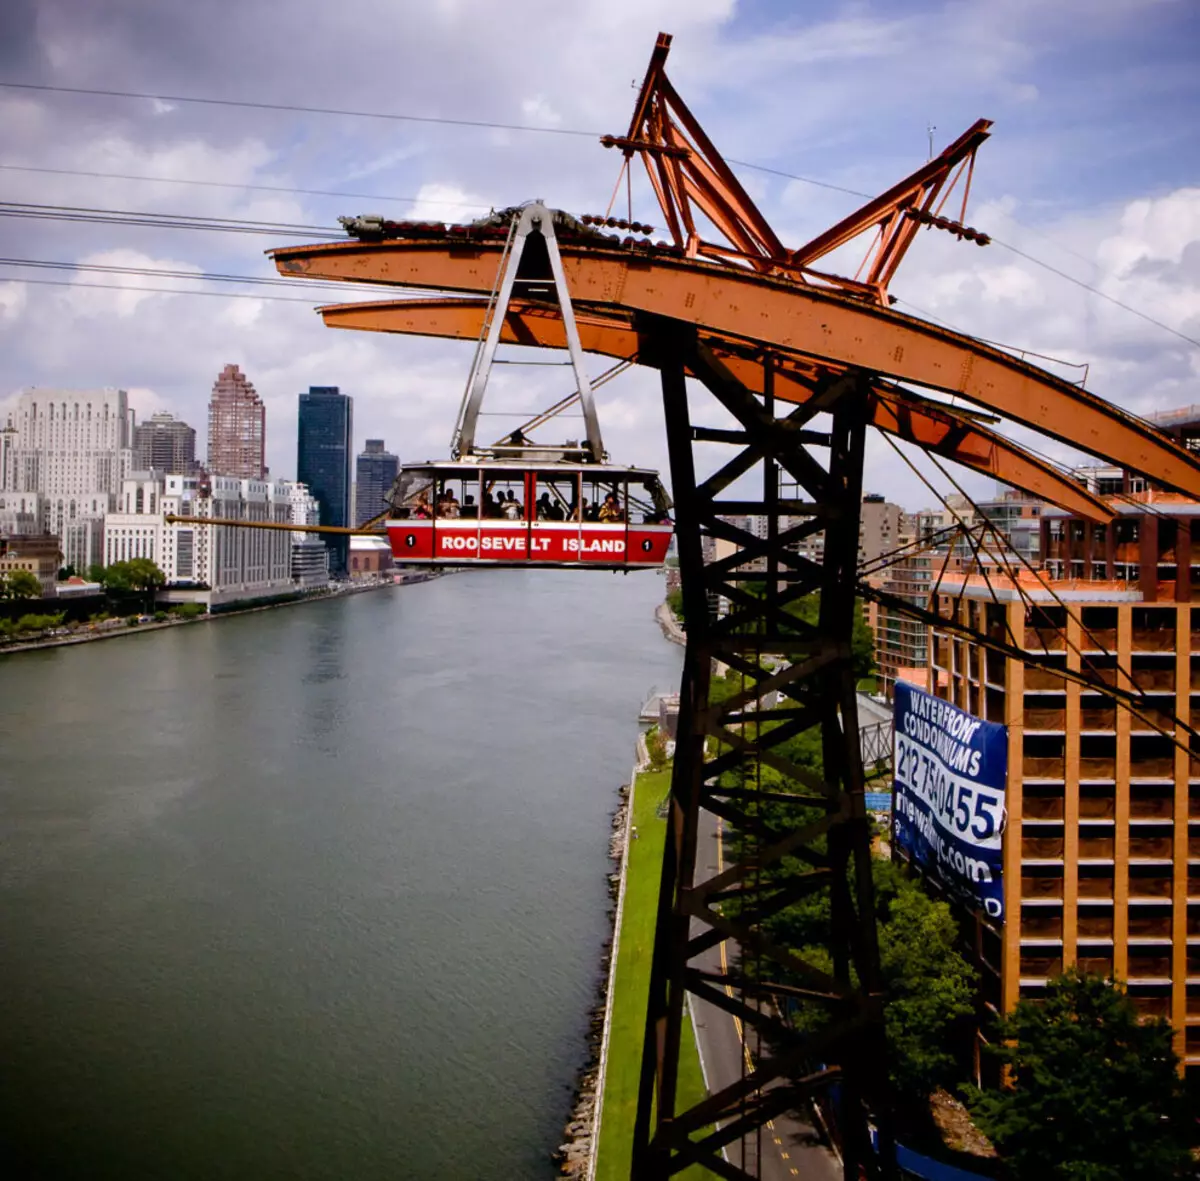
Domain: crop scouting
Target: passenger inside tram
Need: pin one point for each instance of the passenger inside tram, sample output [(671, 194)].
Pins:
[(559, 494), (554, 495), (610, 511)]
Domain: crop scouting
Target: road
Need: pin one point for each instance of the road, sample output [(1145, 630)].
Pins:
[(790, 1147)]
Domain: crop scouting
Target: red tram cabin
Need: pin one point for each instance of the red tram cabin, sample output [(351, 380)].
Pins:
[(511, 514)]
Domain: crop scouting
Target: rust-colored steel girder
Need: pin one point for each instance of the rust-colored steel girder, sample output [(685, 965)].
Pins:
[(777, 315), (891, 408), (686, 170)]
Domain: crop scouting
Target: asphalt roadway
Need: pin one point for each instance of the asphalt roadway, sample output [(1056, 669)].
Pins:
[(788, 1146)]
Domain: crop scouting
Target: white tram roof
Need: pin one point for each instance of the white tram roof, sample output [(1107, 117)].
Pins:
[(601, 470)]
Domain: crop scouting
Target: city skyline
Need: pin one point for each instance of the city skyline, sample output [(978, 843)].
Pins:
[(1079, 173)]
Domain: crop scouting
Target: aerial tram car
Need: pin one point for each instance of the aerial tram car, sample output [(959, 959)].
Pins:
[(517, 502)]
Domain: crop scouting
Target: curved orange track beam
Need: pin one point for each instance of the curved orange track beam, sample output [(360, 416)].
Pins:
[(779, 315), (893, 409)]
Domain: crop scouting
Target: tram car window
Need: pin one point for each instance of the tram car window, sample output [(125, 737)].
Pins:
[(557, 496), (456, 497), (504, 496)]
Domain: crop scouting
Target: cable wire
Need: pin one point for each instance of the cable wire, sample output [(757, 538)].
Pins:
[(346, 288), (395, 117), (1096, 291), (86, 212), (566, 131), (225, 184), (165, 290)]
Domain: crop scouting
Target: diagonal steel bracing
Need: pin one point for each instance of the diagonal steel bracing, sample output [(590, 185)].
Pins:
[(720, 752)]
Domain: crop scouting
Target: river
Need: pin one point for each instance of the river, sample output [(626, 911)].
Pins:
[(317, 892)]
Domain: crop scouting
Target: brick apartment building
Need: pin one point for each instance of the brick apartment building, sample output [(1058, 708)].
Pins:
[(1102, 848)]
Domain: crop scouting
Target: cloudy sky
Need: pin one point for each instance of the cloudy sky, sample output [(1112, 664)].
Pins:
[(1093, 169)]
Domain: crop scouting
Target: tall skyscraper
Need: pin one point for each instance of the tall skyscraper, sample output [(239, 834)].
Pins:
[(165, 444), (73, 448), (237, 428), (323, 443), (375, 472)]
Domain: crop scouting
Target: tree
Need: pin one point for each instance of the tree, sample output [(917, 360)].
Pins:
[(928, 985), (929, 989), (138, 574), (65, 573), (143, 574), (1095, 1094), (808, 610), (862, 640), (21, 584), (114, 577), (146, 576), (95, 573), (675, 602)]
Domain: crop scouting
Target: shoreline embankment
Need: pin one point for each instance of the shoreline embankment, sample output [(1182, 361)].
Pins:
[(670, 625), (578, 1155), (122, 629)]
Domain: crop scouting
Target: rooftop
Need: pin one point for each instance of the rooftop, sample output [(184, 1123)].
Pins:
[(1027, 585), (1139, 503)]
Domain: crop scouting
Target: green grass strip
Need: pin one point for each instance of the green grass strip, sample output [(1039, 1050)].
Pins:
[(631, 986)]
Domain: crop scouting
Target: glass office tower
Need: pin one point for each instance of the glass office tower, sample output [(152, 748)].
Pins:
[(375, 473), (323, 453)]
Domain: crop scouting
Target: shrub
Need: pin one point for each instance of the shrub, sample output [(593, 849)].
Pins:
[(656, 748), (132, 621), (38, 623), (188, 610), (160, 617)]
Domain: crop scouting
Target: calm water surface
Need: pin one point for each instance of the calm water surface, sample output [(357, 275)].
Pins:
[(317, 892)]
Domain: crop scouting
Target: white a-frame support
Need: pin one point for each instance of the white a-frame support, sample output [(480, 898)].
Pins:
[(532, 218)]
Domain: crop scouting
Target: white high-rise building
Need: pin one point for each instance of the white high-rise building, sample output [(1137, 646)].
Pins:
[(310, 557), (20, 513), (8, 444), (211, 564), (72, 447)]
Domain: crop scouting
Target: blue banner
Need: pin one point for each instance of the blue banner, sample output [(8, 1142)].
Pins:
[(948, 808)]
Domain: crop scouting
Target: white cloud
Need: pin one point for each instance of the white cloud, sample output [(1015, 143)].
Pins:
[(12, 300), (446, 202), (844, 97), (539, 112)]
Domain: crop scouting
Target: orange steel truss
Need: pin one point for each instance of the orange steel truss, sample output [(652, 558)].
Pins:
[(776, 338), (688, 175), (779, 315), (892, 408)]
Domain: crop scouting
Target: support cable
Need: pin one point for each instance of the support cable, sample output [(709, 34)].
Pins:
[(1130, 698)]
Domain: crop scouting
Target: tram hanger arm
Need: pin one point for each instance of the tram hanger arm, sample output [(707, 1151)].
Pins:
[(895, 410), (233, 522), (778, 314)]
